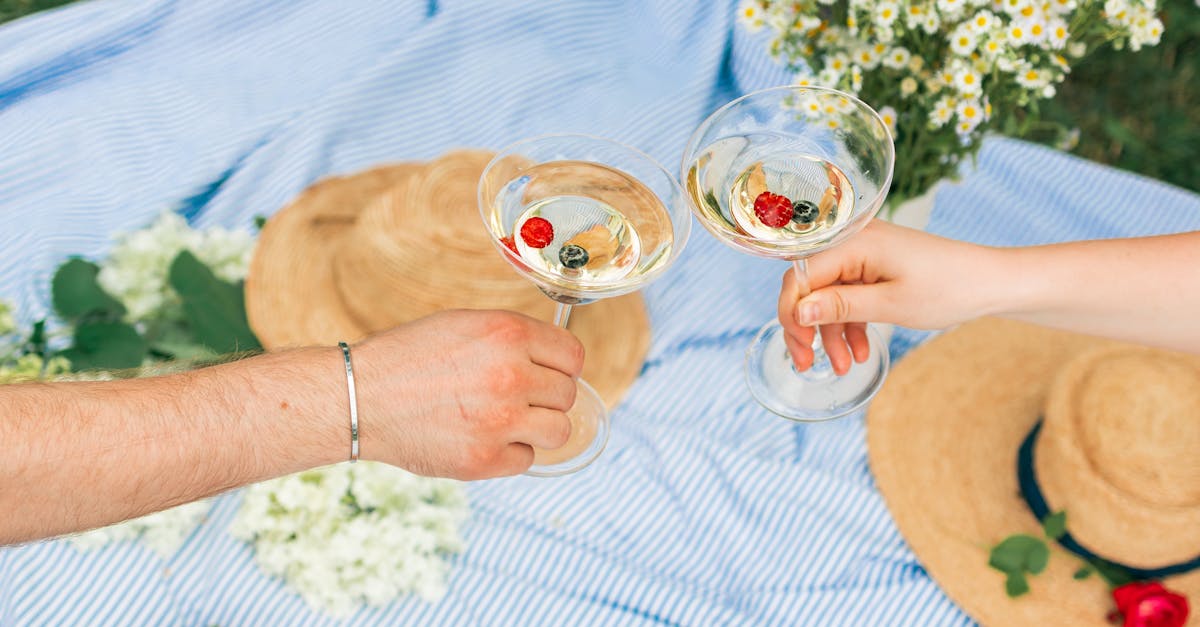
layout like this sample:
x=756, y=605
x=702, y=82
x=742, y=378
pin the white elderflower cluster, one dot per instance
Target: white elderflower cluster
x=135, y=272
x=351, y=534
x=8, y=323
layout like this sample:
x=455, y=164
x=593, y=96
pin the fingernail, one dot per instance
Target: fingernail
x=808, y=313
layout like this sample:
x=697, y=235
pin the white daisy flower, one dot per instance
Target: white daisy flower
x=962, y=41
x=886, y=13
x=897, y=58
x=750, y=14
x=888, y=115
x=942, y=111
x=1057, y=34
x=1017, y=34
x=981, y=23
x=968, y=81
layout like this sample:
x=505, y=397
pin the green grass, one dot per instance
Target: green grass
x=1136, y=111
x=1141, y=111
x=12, y=9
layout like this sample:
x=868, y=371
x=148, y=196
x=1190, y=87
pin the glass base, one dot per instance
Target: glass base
x=589, y=436
x=817, y=394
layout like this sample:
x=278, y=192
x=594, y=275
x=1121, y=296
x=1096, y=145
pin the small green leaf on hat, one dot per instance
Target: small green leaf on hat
x=260, y=221
x=1016, y=585
x=1055, y=525
x=1113, y=574
x=1019, y=553
x=1038, y=557
x=1084, y=572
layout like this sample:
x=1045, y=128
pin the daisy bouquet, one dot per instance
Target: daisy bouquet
x=942, y=72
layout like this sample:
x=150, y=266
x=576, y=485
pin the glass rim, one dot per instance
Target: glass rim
x=693, y=142
x=681, y=228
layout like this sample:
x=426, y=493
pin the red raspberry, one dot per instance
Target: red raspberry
x=773, y=210
x=538, y=232
x=508, y=242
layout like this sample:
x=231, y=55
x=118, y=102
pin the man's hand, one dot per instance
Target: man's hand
x=461, y=394
x=466, y=394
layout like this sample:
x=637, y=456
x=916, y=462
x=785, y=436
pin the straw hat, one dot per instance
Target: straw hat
x=1109, y=432
x=362, y=253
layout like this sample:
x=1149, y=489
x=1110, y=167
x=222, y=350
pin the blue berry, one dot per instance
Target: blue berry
x=573, y=256
x=806, y=212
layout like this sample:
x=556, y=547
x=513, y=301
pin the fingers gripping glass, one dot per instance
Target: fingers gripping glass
x=584, y=218
x=786, y=173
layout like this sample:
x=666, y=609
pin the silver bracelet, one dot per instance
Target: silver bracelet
x=353, y=403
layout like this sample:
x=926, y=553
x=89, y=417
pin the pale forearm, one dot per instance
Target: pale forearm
x=82, y=455
x=1145, y=290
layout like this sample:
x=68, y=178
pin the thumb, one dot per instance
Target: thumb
x=843, y=303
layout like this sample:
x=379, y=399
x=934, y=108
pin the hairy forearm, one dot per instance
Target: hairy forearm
x=1144, y=290
x=82, y=455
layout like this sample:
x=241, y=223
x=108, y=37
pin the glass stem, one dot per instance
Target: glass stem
x=562, y=314
x=821, y=367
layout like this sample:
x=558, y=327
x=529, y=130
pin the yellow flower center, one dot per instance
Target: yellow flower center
x=969, y=79
x=969, y=113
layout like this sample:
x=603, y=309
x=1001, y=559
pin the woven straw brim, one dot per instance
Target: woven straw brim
x=358, y=254
x=943, y=436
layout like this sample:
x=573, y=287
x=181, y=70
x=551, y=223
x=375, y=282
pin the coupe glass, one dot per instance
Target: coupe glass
x=583, y=218
x=786, y=173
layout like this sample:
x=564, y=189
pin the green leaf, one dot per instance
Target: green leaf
x=1016, y=585
x=37, y=339
x=106, y=346
x=1037, y=558
x=215, y=310
x=188, y=351
x=1084, y=572
x=1055, y=525
x=260, y=221
x=1113, y=574
x=1019, y=553
x=76, y=292
x=173, y=340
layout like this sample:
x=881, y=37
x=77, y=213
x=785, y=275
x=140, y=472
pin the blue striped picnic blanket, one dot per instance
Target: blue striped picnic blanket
x=705, y=509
